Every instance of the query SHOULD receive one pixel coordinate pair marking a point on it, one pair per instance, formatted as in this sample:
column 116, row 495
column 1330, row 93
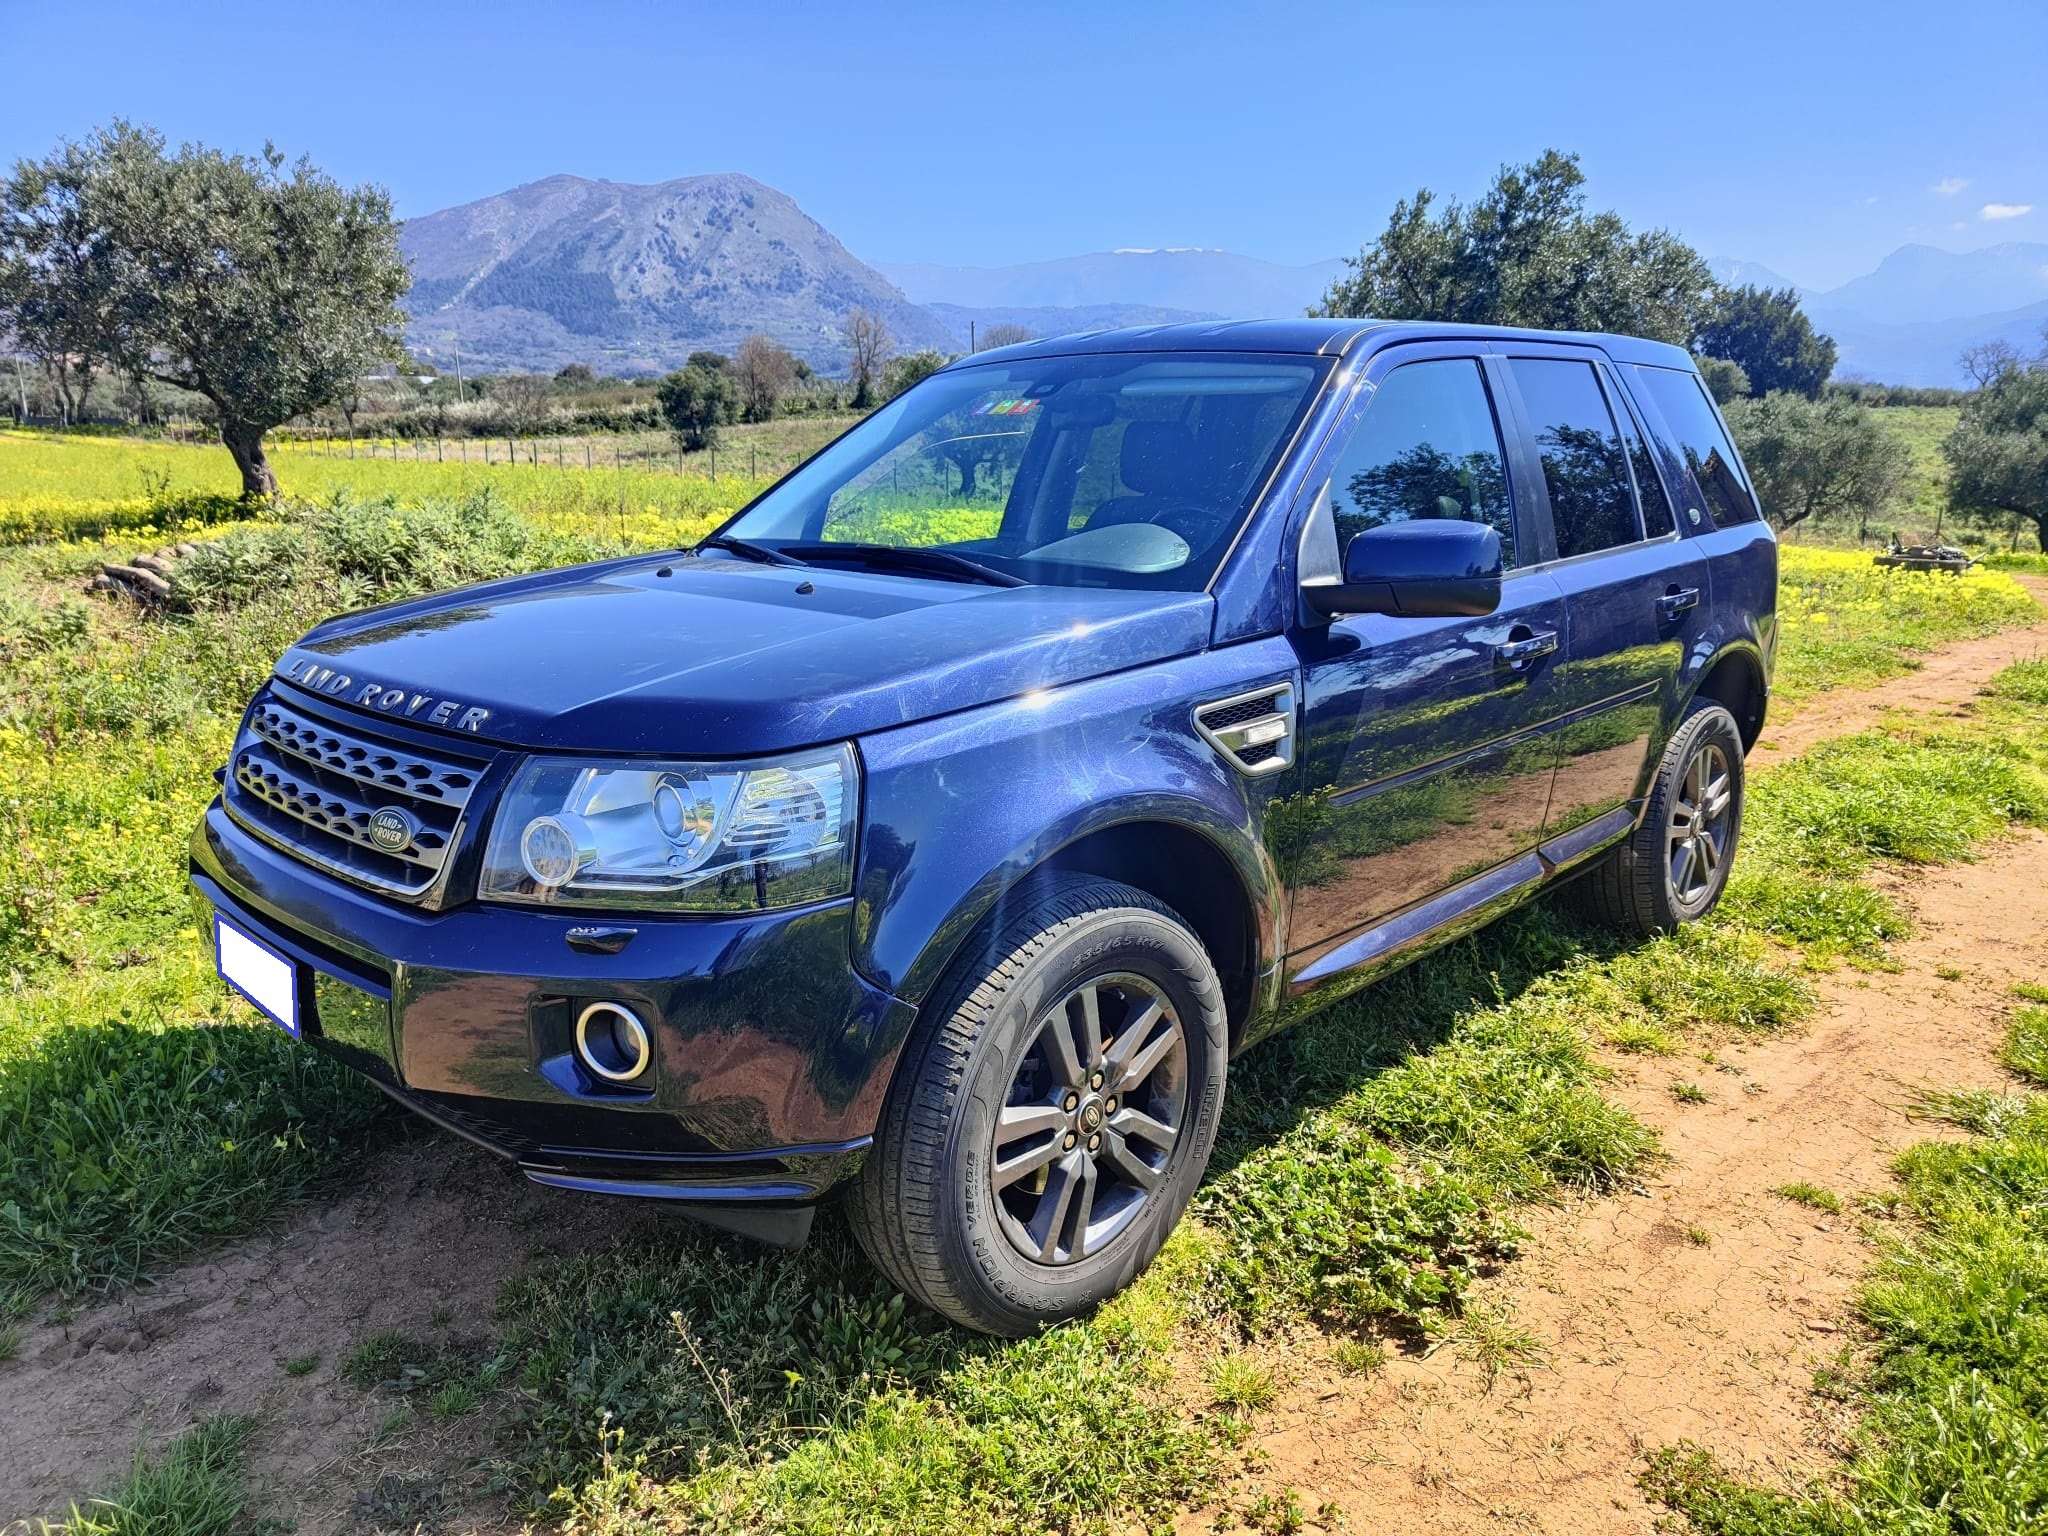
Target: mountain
column 1749, row 274
column 1919, row 282
column 1199, row 281
column 968, row 322
column 631, row 279
column 1908, row 321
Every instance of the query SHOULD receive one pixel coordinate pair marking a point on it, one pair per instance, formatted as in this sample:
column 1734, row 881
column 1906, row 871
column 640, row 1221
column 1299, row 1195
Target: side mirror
column 1420, row 568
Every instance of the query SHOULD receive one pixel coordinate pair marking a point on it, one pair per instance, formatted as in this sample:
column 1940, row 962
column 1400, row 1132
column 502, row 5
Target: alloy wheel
column 1093, row 1111
column 1697, row 833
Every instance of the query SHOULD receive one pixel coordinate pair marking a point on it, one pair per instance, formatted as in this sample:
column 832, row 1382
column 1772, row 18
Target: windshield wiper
column 745, row 549
column 938, row 562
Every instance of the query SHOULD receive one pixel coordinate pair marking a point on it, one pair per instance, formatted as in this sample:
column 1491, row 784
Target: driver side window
column 1427, row 447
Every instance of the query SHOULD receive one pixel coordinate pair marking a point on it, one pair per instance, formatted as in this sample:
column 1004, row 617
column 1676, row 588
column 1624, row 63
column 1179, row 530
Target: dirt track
column 1648, row 1336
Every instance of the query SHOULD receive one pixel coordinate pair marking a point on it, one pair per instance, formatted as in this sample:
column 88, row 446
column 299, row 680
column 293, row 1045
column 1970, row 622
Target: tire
column 1649, row 885
column 926, row 1206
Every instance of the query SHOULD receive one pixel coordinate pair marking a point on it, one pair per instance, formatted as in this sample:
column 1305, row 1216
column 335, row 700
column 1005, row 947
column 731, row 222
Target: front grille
column 321, row 791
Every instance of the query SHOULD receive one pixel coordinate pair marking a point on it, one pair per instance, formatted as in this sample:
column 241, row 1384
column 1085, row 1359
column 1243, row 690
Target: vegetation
column 697, row 400
column 1527, row 253
column 869, row 347
column 1954, row 1428
column 1819, row 458
column 265, row 291
column 195, row 1489
column 1998, row 453
column 1767, row 336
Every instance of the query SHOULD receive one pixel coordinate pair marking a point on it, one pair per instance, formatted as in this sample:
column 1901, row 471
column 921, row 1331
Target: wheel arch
column 1734, row 677
column 1178, row 860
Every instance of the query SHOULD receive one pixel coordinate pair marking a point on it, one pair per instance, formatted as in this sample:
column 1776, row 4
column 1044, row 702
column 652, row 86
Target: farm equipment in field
column 1927, row 555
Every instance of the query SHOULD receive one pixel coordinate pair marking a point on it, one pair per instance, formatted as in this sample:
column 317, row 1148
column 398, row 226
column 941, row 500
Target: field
column 1379, row 1166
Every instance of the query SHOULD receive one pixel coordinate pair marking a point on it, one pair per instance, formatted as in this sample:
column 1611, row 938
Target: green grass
column 2026, row 1044
column 1845, row 622
column 1953, row 1429
column 196, row 1488
column 1813, row 1196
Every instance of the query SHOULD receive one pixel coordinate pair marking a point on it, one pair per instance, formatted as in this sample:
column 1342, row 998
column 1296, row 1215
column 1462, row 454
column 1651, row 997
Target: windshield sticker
column 1006, row 406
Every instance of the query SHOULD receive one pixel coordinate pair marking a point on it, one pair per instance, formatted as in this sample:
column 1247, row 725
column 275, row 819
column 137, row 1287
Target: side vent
column 1254, row 731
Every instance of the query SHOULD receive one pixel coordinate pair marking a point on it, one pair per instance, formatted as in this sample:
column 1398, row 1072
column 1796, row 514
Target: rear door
column 1425, row 760
column 1634, row 588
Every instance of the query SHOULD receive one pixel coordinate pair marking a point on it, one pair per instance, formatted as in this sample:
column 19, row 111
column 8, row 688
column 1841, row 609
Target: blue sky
column 1811, row 138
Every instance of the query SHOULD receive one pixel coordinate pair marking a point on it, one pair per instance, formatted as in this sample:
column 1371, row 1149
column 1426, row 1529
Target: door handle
column 1677, row 601
column 1527, row 647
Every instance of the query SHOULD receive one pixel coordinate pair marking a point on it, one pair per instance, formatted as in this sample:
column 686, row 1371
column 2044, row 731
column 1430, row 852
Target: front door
column 1425, row 757
column 1634, row 589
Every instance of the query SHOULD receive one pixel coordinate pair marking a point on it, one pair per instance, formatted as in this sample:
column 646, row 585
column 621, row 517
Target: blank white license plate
column 259, row 973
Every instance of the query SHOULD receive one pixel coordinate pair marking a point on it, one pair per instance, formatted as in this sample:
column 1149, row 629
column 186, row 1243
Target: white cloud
column 2005, row 210
column 1949, row 186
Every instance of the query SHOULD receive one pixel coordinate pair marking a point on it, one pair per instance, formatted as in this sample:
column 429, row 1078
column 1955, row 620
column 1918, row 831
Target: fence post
column 586, row 453
column 714, row 461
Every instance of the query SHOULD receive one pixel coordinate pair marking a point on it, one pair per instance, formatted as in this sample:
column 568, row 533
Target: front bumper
column 770, row 1052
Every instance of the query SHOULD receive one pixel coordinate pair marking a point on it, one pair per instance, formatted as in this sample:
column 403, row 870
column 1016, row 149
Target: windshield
column 1114, row 470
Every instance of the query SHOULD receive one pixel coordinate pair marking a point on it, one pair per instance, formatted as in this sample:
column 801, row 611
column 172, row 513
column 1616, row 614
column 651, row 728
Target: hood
column 721, row 658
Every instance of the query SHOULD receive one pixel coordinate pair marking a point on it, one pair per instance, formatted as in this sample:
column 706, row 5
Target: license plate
column 259, row 973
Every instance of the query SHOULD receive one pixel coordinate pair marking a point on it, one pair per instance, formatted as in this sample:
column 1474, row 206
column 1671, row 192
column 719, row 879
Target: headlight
column 716, row 837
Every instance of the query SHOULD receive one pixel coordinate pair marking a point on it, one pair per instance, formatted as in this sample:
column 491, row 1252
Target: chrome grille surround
column 312, row 788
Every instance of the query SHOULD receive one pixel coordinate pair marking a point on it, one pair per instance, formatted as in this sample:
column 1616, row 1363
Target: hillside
column 631, row 279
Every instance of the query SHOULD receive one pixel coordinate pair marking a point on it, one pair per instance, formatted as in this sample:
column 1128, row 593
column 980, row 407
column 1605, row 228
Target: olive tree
column 56, row 274
column 1766, row 334
column 1998, row 453
column 1819, row 459
column 1527, row 253
column 696, row 401
column 265, row 287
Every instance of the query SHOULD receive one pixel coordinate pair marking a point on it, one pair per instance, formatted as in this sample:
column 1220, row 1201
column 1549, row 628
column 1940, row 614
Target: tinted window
column 1650, row 493
column 1591, row 503
column 1427, row 447
column 1696, row 432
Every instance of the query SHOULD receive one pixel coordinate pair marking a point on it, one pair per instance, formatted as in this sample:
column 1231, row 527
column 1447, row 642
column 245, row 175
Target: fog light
column 612, row 1042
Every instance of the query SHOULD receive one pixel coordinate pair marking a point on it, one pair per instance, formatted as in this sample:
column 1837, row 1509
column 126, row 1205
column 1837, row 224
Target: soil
column 421, row 1245
column 1647, row 1334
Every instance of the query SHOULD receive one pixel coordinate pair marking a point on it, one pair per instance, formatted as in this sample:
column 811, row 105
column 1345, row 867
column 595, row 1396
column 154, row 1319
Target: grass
column 1372, row 1164
column 1812, row 1196
column 195, row 1489
column 1953, row 1434
column 1846, row 623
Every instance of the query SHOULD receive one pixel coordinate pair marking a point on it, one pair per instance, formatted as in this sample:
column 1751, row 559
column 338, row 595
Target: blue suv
column 944, row 824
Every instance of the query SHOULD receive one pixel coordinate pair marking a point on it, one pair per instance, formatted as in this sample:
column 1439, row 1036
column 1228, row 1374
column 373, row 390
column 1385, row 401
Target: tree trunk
column 246, row 444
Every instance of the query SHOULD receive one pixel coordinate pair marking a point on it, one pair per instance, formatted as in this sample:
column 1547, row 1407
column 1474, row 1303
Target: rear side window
column 1696, row 432
column 1592, row 505
column 1428, row 447
column 1656, row 505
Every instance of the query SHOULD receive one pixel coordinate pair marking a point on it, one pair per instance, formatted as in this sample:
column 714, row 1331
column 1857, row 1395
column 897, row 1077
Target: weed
column 2030, row 991
column 1358, row 1357
column 1241, row 1384
column 1688, row 1093
column 1813, row 1196
column 1699, row 1236
column 2026, row 1044
column 300, row 1365
column 1489, row 1334
column 194, row 1489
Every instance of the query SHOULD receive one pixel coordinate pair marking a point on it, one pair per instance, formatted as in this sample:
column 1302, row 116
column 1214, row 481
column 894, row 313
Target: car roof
column 1325, row 338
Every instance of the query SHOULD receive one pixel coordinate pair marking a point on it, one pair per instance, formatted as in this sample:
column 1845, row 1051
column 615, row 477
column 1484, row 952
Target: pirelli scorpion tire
column 1053, row 1111
column 1675, row 865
